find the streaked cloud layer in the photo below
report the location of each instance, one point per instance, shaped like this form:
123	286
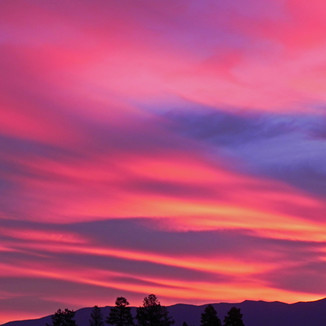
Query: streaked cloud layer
175	147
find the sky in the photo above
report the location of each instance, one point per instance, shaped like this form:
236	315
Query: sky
174	147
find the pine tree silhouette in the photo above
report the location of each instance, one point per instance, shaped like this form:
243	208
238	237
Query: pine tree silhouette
233	318
120	315
209	317
96	317
152	313
63	318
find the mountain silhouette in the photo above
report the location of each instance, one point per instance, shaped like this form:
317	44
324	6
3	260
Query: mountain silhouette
255	313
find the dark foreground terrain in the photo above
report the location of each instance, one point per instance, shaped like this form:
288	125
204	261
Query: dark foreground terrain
255	313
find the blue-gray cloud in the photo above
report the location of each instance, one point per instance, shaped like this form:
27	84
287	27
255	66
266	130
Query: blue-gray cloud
289	147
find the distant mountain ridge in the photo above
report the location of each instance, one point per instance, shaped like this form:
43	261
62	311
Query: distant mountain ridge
255	313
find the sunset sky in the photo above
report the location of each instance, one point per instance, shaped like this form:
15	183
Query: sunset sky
175	147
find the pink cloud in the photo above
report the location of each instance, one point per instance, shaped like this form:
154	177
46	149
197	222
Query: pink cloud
85	138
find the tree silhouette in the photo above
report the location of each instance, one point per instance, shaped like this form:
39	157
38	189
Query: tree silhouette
152	313
233	318
96	317
63	318
209	317
184	324
120	315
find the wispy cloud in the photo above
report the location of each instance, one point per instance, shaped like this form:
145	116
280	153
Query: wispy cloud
175	148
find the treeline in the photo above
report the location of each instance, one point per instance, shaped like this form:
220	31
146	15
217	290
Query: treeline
151	313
